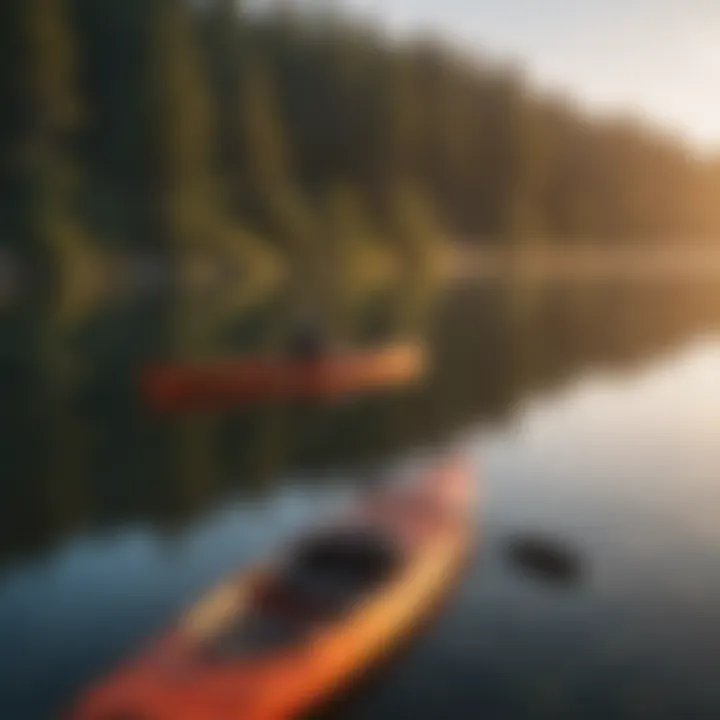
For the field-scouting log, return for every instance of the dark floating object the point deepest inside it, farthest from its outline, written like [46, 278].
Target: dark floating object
[546, 558]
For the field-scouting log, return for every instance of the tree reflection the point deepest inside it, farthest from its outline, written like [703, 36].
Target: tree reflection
[79, 450]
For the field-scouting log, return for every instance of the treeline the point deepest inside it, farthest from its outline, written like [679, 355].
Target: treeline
[193, 129]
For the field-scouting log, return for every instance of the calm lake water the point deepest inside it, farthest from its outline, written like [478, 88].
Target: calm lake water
[593, 416]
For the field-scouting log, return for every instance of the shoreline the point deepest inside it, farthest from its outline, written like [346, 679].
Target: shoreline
[585, 263]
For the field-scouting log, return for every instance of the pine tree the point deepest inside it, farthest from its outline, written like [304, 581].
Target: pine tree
[278, 206]
[42, 183]
[40, 124]
[188, 213]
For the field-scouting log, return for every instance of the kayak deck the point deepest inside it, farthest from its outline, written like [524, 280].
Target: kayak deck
[276, 641]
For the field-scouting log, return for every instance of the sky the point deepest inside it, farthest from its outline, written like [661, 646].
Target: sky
[656, 58]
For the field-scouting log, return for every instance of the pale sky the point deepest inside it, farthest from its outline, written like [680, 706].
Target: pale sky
[657, 58]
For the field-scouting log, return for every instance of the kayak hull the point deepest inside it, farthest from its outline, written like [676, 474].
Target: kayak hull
[173, 680]
[186, 387]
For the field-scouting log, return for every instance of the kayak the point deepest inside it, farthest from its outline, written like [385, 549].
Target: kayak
[282, 639]
[286, 637]
[177, 387]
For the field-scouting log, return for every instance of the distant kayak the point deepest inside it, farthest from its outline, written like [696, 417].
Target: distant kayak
[176, 387]
[282, 639]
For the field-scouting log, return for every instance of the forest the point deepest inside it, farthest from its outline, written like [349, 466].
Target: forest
[312, 145]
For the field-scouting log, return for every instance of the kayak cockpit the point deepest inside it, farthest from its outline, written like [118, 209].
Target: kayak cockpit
[323, 578]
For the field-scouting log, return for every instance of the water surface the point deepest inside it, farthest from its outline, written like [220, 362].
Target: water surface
[591, 414]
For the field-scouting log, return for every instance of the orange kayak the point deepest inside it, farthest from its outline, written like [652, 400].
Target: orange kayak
[282, 639]
[224, 383]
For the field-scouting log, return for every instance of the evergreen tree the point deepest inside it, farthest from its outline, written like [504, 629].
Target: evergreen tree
[189, 213]
[41, 117]
[276, 204]
[202, 128]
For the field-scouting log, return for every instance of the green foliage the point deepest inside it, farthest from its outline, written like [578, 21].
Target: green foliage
[40, 181]
[357, 263]
[415, 227]
[279, 203]
[197, 131]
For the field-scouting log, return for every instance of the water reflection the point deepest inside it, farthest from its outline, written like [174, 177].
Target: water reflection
[123, 519]
[80, 451]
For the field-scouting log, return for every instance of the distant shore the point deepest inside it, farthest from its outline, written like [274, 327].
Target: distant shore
[587, 262]
[462, 262]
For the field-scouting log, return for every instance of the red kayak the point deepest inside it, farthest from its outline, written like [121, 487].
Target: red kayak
[175, 387]
[283, 638]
